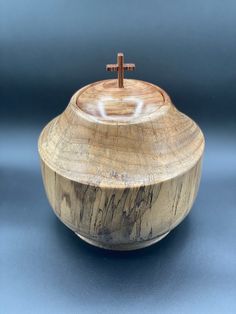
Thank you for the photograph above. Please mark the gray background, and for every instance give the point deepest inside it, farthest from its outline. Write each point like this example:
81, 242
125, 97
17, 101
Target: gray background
48, 50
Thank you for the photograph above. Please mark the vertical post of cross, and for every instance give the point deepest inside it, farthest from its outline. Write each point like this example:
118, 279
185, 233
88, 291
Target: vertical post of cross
120, 62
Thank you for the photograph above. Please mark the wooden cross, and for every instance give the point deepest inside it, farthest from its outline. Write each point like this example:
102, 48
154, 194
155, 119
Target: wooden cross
120, 67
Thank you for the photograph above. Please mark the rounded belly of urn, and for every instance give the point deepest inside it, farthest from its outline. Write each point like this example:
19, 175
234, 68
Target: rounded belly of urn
121, 165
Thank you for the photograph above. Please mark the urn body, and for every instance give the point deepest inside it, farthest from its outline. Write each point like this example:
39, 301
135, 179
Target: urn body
121, 167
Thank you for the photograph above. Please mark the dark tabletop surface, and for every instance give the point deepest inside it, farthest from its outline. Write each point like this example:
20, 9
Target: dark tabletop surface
45, 268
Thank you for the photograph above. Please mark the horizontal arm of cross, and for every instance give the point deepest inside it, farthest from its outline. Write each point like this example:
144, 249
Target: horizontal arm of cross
129, 66
115, 67
112, 67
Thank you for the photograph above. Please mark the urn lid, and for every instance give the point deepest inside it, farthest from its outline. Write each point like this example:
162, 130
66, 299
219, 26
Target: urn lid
136, 101
122, 100
120, 133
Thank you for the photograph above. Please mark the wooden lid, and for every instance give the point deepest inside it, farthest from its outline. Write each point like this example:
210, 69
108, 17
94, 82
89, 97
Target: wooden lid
121, 137
105, 101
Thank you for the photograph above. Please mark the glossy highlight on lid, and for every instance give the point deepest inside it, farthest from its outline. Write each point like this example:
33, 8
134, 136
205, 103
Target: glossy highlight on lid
106, 101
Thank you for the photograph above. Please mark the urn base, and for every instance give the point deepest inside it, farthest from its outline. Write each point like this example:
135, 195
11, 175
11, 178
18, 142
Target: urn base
125, 246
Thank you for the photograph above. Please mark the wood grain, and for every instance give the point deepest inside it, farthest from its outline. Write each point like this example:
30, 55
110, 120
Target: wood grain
121, 177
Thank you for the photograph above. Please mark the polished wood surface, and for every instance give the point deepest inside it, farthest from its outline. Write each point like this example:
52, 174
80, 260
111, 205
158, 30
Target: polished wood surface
105, 101
119, 177
120, 67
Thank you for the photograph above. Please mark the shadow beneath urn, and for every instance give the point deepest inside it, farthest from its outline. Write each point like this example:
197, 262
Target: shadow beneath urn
129, 273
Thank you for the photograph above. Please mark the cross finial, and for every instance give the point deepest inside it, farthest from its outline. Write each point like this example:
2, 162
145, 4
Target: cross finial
120, 67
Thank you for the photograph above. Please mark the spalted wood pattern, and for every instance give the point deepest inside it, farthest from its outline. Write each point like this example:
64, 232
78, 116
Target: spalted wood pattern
121, 166
121, 217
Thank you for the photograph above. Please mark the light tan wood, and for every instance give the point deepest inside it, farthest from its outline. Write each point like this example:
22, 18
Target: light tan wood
121, 167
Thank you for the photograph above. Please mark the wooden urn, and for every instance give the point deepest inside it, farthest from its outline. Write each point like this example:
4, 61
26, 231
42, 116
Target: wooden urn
121, 165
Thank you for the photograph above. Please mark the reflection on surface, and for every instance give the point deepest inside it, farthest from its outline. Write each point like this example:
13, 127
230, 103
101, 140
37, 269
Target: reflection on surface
123, 109
126, 107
